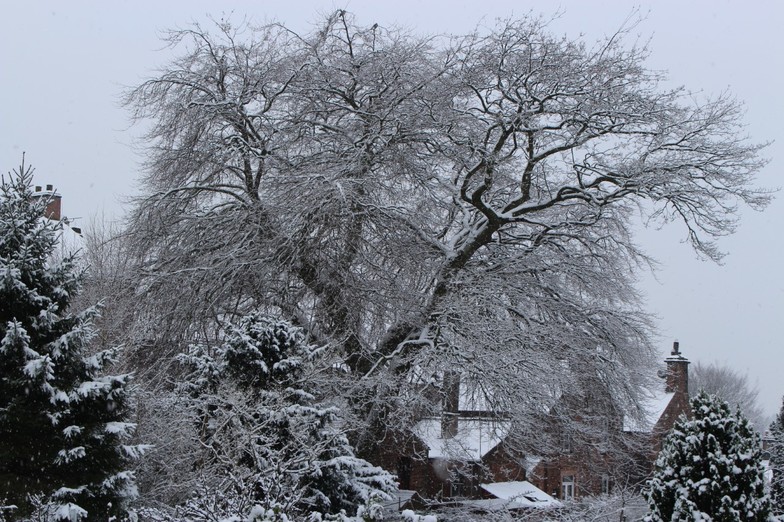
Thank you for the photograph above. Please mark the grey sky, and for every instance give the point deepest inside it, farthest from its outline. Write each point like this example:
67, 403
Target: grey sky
64, 65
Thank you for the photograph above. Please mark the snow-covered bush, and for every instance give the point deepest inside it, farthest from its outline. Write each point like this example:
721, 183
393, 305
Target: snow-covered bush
709, 468
62, 420
269, 444
410, 516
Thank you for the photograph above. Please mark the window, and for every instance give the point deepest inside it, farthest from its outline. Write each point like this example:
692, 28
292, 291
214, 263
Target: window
567, 442
605, 484
404, 472
567, 487
604, 444
460, 485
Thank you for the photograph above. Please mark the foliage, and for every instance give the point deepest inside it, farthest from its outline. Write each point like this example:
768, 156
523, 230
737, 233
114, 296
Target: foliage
709, 468
267, 443
776, 450
62, 419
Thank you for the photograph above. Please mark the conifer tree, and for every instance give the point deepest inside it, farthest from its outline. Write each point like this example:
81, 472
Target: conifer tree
62, 422
776, 451
272, 444
709, 468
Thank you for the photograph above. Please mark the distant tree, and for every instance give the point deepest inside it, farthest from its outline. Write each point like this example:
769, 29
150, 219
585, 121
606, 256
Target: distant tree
732, 386
776, 450
62, 420
709, 468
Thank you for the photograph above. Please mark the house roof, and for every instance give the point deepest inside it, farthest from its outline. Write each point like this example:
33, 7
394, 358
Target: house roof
520, 494
69, 241
653, 405
398, 499
474, 438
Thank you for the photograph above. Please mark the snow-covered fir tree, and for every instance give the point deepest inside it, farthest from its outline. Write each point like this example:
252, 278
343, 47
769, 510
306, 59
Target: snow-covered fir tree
776, 450
62, 421
271, 445
709, 468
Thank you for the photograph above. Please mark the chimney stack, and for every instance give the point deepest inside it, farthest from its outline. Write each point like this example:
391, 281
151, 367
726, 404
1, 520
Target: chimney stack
53, 202
677, 371
451, 406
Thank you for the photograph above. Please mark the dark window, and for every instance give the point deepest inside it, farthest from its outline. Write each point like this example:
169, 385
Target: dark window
404, 472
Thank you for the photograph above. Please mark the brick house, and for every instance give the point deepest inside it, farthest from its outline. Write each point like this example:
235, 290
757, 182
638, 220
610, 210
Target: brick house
602, 449
451, 455
592, 449
70, 238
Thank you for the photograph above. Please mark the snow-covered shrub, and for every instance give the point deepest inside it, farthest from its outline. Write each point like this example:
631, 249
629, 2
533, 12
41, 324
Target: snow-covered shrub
410, 516
269, 444
62, 419
709, 468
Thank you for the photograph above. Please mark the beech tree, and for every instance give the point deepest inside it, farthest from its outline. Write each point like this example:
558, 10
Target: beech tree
709, 468
63, 421
417, 203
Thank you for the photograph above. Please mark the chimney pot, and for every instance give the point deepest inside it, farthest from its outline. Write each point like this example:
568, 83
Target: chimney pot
38, 188
49, 187
675, 348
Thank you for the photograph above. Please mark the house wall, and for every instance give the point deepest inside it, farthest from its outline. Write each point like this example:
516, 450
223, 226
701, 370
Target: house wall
586, 466
503, 465
406, 457
627, 457
53, 209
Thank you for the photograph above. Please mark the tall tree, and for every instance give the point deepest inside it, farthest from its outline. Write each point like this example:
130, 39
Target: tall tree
710, 468
732, 386
776, 449
419, 203
62, 420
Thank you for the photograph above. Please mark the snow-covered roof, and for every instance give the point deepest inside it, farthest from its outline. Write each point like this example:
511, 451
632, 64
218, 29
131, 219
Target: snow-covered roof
474, 438
654, 405
398, 499
69, 241
520, 493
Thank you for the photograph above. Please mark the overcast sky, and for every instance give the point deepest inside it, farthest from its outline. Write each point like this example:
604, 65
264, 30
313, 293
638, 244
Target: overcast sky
64, 66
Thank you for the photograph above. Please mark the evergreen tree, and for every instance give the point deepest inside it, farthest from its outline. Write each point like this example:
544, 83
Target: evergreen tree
709, 468
272, 444
776, 451
61, 420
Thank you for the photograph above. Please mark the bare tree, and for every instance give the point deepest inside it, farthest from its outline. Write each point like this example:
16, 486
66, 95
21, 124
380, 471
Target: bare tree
418, 203
732, 386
